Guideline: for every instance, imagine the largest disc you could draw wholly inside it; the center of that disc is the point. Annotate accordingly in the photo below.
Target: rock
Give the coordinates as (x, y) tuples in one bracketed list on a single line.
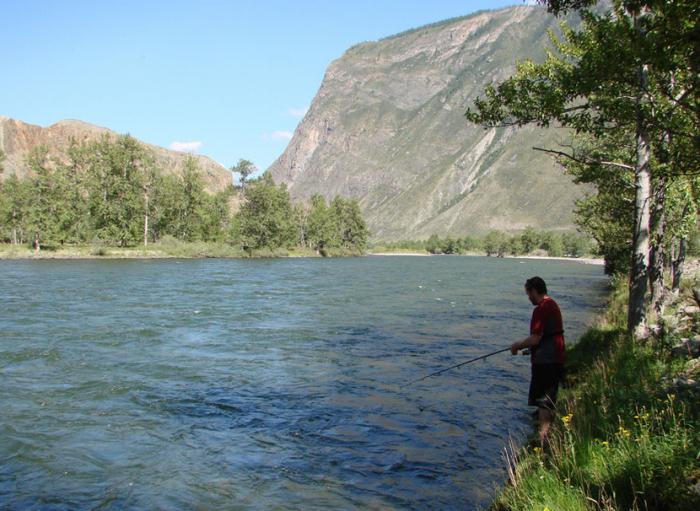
[(688, 348), (696, 294), (387, 128), (695, 489), (18, 138), (693, 367), (691, 309), (683, 382)]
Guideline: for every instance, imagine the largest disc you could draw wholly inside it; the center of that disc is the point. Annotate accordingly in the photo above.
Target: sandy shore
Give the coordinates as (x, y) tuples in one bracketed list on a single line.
[(583, 260), (421, 254)]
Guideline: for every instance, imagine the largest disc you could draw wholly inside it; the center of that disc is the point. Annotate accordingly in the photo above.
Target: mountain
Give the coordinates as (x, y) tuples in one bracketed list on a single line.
[(387, 127), (17, 138)]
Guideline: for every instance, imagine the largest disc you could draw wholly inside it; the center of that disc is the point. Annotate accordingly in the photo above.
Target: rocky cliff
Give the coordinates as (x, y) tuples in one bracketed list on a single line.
[(17, 138), (387, 127)]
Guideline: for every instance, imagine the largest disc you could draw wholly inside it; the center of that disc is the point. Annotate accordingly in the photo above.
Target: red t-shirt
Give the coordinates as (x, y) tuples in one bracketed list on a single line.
[(546, 321)]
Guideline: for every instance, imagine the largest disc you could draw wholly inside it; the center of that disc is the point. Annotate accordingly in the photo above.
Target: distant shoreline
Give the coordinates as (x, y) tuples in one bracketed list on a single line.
[(215, 252), (583, 260)]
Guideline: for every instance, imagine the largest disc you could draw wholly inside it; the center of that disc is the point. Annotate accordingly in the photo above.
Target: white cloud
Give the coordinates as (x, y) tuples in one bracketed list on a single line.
[(278, 135), (186, 147), (298, 112)]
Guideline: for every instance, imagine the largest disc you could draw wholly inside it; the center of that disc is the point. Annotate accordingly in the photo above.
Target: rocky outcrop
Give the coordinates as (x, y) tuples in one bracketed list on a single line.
[(18, 138), (387, 127)]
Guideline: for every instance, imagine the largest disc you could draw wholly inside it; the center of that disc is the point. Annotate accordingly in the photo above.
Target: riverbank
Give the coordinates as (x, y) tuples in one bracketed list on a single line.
[(201, 250), (627, 434), (584, 260), (166, 250)]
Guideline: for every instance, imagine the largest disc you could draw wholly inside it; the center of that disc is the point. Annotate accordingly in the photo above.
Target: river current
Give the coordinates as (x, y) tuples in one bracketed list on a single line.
[(267, 384)]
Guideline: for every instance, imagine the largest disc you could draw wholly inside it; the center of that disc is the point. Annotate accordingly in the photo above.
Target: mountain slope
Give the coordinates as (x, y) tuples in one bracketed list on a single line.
[(17, 138), (387, 127)]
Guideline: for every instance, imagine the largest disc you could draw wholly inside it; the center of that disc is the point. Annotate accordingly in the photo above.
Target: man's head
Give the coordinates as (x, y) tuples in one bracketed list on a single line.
[(535, 289)]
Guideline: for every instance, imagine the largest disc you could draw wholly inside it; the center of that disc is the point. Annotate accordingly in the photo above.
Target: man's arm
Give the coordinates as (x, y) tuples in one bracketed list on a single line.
[(528, 342)]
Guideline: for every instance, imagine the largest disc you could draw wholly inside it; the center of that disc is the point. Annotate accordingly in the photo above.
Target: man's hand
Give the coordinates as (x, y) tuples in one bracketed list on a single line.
[(514, 348)]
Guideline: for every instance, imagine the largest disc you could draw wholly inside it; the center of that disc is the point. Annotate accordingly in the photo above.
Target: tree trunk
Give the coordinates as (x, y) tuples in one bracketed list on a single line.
[(145, 225), (678, 266), (37, 243), (636, 312), (14, 226), (657, 256)]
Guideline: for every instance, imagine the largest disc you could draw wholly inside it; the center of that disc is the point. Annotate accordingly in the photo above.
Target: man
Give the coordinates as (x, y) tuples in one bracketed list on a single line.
[(546, 344)]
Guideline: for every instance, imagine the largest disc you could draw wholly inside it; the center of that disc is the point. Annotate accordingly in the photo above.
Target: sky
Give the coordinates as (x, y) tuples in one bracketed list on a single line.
[(228, 79)]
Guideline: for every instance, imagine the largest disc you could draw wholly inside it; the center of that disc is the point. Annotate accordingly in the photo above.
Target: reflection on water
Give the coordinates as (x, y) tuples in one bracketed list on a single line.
[(230, 384)]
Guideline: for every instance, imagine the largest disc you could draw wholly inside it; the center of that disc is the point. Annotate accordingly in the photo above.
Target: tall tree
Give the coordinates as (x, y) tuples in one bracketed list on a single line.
[(115, 189), (349, 225), (265, 219), (611, 75), (190, 211), (43, 199), (244, 168), (320, 225)]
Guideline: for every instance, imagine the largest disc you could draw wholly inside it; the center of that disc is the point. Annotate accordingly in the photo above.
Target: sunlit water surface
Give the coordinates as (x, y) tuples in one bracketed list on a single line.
[(266, 384)]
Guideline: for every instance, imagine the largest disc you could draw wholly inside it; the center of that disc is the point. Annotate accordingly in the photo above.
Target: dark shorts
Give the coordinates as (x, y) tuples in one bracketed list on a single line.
[(544, 385)]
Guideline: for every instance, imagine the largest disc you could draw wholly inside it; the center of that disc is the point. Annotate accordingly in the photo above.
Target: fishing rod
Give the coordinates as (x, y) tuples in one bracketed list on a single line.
[(454, 367)]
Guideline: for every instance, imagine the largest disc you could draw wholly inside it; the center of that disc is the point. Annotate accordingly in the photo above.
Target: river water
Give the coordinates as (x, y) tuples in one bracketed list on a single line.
[(266, 384)]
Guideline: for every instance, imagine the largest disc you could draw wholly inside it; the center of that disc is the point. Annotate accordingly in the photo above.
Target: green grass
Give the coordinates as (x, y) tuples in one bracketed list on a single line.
[(624, 439), (166, 248)]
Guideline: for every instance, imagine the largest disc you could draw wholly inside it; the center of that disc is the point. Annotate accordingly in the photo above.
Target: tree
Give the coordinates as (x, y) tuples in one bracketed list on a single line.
[(319, 224), (42, 200), (629, 71), (189, 213), (265, 218), (515, 246), (116, 190), (215, 216), (349, 225), (530, 240), (72, 172), (433, 245), (8, 191), (244, 168), (496, 243), (14, 196)]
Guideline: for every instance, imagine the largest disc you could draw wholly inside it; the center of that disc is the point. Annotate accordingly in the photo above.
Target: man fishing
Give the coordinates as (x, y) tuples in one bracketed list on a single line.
[(546, 344)]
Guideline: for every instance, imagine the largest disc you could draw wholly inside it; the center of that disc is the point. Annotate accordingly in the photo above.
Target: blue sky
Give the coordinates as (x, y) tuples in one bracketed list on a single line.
[(229, 79)]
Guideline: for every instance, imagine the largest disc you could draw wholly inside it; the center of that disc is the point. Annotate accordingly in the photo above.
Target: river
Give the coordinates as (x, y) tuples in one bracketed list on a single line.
[(267, 384)]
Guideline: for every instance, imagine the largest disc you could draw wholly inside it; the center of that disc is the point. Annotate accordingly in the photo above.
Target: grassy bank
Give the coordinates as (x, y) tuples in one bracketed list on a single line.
[(169, 248), (627, 433)]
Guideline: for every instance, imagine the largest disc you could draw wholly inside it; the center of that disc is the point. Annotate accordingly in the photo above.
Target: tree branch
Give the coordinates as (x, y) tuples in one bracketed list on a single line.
[(587, 160)]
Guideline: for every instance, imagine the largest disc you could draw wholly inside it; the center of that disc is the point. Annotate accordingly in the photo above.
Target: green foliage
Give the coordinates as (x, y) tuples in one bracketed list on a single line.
[(265, 219), (46, 196), (496, 243), (110, 192), (244, 168), (115, 187), (622, 441), (14, 218), (349, 227), (320, 225), (591, 81)]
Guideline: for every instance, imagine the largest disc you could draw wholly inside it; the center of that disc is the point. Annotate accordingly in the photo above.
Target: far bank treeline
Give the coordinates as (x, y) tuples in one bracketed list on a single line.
[(111, 192)]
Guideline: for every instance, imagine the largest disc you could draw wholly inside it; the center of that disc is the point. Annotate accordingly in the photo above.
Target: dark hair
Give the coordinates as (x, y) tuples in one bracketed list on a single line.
[(537, 284)]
